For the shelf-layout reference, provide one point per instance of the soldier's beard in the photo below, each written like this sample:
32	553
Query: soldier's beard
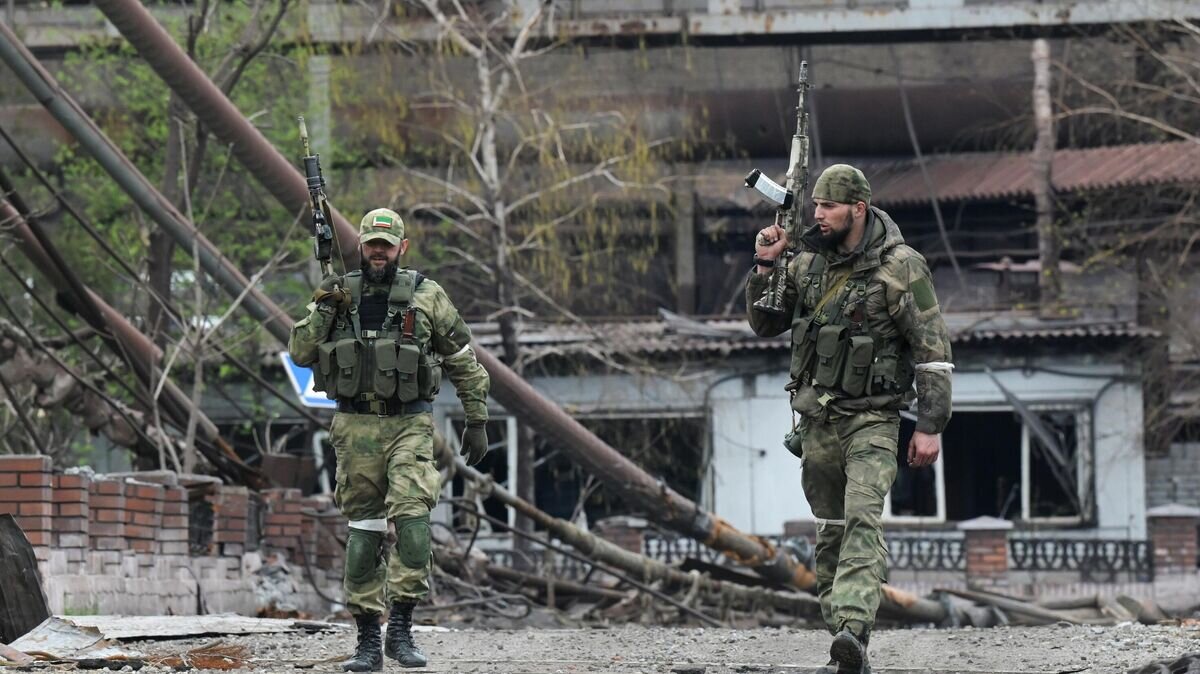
384	275
835	237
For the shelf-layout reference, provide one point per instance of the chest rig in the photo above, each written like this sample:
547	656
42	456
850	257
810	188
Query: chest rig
837	346
395	362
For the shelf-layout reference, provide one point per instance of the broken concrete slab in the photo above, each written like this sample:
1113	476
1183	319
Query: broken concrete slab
61	639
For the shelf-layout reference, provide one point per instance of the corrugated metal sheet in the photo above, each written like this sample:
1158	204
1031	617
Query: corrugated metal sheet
725	336
996	176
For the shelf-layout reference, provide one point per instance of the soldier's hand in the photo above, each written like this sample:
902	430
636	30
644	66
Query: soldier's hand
770	242
923	450
333	293
474	442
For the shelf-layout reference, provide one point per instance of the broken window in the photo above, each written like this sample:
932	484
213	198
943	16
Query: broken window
994	464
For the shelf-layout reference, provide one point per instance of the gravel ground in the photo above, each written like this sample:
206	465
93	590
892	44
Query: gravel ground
1050	650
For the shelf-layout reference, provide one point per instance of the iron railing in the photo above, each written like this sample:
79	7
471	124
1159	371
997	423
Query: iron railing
1098	560
926	553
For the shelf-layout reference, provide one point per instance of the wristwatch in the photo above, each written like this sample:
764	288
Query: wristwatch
763	262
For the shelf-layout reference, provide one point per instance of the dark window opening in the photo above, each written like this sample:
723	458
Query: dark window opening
914	494
981	452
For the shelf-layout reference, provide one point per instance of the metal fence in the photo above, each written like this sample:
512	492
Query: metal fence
1096	560
1100	560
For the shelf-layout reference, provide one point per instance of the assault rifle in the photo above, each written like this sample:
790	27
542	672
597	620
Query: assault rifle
787	199
323	245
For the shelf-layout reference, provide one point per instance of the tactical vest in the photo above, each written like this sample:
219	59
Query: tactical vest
835	348
396	362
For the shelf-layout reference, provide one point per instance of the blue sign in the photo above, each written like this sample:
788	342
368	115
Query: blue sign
302	382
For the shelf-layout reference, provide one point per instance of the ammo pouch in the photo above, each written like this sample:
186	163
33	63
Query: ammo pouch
429	379
856	375
800	352
395	375
831	353
883	374
340	373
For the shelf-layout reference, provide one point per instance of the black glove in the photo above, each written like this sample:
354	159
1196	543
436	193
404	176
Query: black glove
331	292
474	442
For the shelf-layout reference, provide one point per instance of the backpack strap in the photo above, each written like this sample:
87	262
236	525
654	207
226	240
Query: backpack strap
354	282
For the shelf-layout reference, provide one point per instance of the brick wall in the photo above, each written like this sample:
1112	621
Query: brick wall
1172	530
120	523
230	510
106	515
173	534
70	524
143	515
1173	478
282	524
25	492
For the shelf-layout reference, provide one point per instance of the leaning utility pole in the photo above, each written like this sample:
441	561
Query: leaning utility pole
626	480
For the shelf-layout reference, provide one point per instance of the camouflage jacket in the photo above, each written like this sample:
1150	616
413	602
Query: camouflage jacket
436	316
900	307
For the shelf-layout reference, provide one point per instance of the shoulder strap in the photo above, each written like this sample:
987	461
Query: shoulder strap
354	284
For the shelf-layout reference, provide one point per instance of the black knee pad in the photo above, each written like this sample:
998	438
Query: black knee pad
363	556
413	540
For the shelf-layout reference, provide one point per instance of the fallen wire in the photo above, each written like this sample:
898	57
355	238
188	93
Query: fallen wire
118	407
463	505
137	280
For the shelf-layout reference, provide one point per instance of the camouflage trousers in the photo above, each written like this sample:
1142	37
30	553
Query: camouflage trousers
385	469
849	465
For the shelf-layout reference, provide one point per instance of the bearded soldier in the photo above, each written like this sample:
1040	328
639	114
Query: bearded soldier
865	325
378	340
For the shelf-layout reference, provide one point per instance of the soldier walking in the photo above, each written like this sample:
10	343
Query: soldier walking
378	340
865	325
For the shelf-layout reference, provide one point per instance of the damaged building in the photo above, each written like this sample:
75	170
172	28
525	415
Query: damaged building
1051	429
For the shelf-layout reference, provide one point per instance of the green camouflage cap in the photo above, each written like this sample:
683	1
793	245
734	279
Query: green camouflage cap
844	184
381	223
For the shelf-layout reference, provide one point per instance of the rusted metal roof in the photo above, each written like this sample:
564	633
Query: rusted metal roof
995	176
673	334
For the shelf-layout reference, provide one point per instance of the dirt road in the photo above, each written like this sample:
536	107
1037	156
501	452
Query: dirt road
627	649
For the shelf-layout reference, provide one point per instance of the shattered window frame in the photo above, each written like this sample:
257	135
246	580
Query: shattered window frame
1084	454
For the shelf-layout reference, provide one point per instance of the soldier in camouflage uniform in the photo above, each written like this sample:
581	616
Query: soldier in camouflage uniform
378	340
865	324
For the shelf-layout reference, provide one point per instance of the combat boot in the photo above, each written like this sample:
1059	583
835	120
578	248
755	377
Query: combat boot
367	656
400	646
849	652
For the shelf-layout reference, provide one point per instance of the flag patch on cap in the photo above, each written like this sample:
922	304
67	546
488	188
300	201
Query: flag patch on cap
382	221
